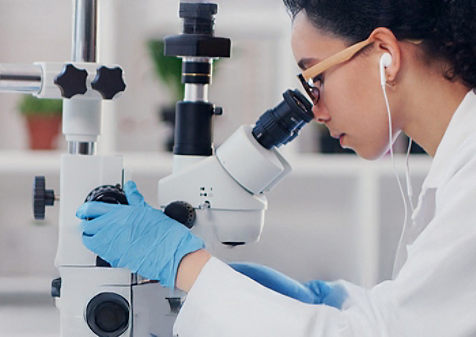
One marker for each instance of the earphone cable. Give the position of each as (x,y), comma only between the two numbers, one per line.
(407,176)
(405,206)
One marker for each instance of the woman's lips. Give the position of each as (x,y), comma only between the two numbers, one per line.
(337,135)
(341,139)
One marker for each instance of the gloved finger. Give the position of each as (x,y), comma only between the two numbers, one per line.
(90,243)
(96,240)
(133,195)
(336,296)
(331,294)
(91,227)
(94,209)
(107,221)
(319,288)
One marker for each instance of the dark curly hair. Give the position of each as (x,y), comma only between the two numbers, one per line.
(447,27)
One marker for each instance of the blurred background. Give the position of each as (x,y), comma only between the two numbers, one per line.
(335,216)
(260,69)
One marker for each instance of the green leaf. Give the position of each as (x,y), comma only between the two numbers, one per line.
(30,105)
(168,68)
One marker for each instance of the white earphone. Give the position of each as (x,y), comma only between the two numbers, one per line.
(385,61)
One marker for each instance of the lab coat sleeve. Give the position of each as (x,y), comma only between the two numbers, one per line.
(225,303)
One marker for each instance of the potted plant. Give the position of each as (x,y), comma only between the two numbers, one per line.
(43,119)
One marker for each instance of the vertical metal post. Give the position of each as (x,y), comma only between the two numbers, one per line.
(84,49)
(85,31)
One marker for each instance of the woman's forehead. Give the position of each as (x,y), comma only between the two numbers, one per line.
(302,27)
(310,44)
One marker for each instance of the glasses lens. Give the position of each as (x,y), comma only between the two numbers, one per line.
(310,89)
(315,92)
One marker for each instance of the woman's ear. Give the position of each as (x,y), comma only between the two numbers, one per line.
(386,42)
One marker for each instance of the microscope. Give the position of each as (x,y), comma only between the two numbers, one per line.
(218,194)
(223,190)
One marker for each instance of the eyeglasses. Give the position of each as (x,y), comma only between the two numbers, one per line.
(308,76)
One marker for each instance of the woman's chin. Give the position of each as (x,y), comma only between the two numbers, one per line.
(370,153)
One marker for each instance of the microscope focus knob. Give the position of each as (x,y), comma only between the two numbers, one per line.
(182,212)
(41,197)
(72,81)
(110,194)
(109,82)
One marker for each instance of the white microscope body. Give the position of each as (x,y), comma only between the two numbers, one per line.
(226,189)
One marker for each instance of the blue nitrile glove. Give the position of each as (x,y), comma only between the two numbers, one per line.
(137,236)
(331,293)
(312,292)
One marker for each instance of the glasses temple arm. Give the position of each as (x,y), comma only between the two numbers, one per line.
(340,57)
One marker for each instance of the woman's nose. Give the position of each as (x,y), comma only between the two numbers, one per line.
(320,114)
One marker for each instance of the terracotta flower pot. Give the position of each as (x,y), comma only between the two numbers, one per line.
(43,131)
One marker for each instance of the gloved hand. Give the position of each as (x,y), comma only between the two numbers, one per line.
(137,236)
(312,292)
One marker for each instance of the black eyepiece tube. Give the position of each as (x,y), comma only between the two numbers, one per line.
(198,17)
(281,124)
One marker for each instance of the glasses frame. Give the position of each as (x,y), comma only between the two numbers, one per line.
(319,68)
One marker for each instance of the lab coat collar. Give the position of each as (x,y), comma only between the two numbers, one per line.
(461,126)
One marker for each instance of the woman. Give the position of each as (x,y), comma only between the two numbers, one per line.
(428,78)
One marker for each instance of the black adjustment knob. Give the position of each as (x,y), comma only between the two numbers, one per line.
(218,111)
(109,82)
(111,194)
(72,81)
(41,197)
(56,287)
(107,314)
(182,212)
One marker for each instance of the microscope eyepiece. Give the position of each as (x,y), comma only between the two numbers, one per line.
(198,35)
(281,124)
(198,17)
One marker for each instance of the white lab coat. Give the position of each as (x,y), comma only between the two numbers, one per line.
(433,295)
